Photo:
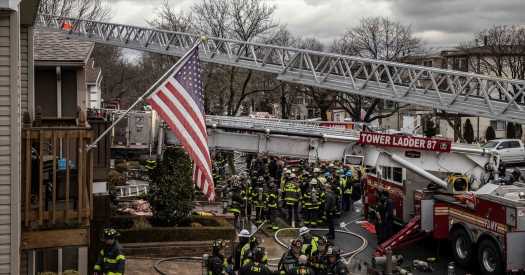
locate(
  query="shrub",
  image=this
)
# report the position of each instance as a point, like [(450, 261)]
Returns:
[(171, 188), (468, 131), (490, 134)]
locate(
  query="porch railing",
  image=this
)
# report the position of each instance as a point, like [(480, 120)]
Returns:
[(56, 176)]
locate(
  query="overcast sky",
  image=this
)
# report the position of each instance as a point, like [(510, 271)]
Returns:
[(438, 22)]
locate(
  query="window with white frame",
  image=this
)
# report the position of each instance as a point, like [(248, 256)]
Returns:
[(498, 125), (394, 174)]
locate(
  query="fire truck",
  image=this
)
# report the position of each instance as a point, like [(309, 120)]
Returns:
[(446, 191)]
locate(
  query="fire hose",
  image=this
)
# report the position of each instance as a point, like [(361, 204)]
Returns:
[(349, 254)]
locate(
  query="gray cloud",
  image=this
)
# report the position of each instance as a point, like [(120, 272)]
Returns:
[(438, 22), (457, 18)]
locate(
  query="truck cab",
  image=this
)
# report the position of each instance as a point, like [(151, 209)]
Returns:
[(511, 151)]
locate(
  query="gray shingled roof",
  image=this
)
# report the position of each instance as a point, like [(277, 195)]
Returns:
[(55, 46)]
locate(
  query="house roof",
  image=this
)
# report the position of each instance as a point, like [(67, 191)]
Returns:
[(55, 47)]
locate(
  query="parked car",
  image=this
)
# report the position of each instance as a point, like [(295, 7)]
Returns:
[(511, 151)]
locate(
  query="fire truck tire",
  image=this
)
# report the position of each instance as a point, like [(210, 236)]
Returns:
[(489, 258), (462, 247)]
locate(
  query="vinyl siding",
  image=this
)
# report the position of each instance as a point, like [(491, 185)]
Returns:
[(5, 137), (24, 67), (10, 78)]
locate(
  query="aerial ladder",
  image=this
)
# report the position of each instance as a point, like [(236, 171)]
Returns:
[(440, 89)]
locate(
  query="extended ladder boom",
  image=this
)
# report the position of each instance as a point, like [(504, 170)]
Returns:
[(447, 90)]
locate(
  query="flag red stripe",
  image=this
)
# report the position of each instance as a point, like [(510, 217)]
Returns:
[(191, 130), (179, 135), (187, 106)]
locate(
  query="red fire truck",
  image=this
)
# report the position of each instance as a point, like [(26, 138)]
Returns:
[(446, 191)]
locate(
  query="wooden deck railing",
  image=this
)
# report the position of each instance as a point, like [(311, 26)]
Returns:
[(56, 176)]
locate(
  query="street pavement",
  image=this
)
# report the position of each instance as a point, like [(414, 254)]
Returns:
[(422, 250)]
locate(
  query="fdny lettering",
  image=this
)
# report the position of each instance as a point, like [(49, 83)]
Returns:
[(492, 225), (410, 142)]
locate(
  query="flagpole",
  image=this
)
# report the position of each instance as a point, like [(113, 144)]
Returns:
[(173, 69)]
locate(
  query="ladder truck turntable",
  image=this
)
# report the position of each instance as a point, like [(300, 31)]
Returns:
[(485, 226)]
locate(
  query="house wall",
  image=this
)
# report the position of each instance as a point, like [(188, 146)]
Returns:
[(9, 142)]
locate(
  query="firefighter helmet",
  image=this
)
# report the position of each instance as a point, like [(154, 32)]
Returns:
[(217, 246), (110, 233), (304, 230), (244, 234), (303, 259), (297, 243), (333, 251)]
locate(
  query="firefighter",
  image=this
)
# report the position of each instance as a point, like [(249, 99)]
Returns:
[(388, 215), (303, 268), (338, 193), (318, 258), (335, 264), (330, 210), (307, 206), (248, 255), (246, 194), (272, 203), (320, 212), (110, 260), (242, 248), (236, 203), (259, 202), (292, 195), (310, 243), (290, 259), (257, 266), (384, 216), (357, 187), (345, 182), (315, 198), (217, 263)]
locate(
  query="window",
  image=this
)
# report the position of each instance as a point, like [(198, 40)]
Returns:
[(514, 144), (498, 125), (504, 145), (394, 174), (69, 260), (397, 174), (427, 63)]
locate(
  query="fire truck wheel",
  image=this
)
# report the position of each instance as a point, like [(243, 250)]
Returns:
[(462, 248), (489, 258)]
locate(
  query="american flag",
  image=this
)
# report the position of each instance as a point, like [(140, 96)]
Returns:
[(179, 100)]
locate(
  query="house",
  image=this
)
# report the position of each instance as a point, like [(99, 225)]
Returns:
[(56, 197), (61, 67)]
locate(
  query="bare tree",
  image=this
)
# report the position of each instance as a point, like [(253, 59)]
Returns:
[(86, 9), (380, 38), (246, 20), (322, 98), (168, 19), (283, 37), (498, 51), (376, 38)]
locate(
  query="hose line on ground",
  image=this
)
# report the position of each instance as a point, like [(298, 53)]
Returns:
[(350, 254), (172, 259)]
